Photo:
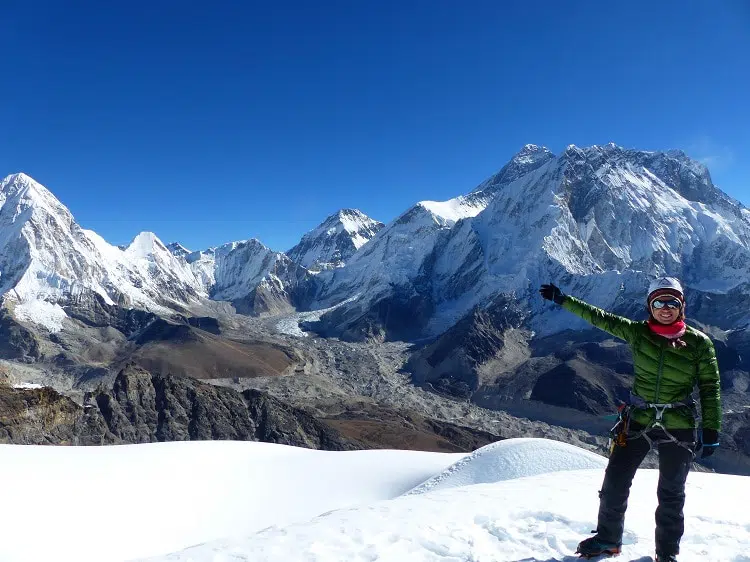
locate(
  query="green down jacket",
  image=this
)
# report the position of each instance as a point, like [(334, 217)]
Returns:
[(663, 374)]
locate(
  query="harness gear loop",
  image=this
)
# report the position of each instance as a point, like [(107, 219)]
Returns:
[(618, 435)]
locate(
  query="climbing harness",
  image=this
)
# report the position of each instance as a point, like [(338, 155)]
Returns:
[(619, 434)]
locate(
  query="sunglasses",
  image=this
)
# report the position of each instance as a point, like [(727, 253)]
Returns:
[(674, 303)]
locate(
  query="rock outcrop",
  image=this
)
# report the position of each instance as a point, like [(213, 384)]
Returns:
[(143, 408)]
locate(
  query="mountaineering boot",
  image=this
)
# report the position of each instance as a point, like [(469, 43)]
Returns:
[(665, 558), (594, 546)]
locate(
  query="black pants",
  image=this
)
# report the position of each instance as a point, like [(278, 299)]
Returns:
[(674, 465)]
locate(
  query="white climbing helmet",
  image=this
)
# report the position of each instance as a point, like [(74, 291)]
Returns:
[(665, 283)]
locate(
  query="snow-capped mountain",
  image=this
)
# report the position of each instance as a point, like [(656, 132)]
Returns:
[(253, 277), (528, 159), (395, 254), (600, 221), (334, 242), (203, 263), (46, 260), (388, 271)]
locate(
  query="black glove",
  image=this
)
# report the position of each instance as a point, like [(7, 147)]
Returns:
[(709, 442), (552, 293)]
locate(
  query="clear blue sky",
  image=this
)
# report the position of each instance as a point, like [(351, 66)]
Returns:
[(207, 122)]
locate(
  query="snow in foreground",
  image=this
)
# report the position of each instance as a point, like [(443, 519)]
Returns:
[(518, 500)]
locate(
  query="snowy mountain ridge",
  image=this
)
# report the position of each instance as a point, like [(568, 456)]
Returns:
[(599, 220), (178, 250), (47, 261)]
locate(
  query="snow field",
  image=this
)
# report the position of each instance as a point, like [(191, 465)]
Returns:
[(529, 500)]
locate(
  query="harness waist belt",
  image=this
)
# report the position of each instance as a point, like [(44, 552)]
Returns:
[(638, 402)]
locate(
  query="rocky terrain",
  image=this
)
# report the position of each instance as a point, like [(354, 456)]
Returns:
[(142, 408), (337, 394)]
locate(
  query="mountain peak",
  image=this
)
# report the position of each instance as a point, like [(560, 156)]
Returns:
[(526, 160), (25, 204), (15, 183), (351, 220), (532, 152), (146, 244), (343, 213), (27, 190), (335, 240), (17, 177), (178, 250)]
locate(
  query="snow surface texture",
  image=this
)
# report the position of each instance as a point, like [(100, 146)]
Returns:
[(527, 500), (505, 460)]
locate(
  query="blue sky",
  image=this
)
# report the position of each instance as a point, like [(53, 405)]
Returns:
[(207, 122)]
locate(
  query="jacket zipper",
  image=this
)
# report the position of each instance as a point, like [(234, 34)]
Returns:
[(659, 372)]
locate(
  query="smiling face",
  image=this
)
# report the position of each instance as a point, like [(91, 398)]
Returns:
[(666, 313)]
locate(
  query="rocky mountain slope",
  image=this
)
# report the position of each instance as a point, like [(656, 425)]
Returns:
[(142, 407)]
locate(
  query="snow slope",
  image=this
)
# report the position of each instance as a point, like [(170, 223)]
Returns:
[(116, 503), (262, 502)]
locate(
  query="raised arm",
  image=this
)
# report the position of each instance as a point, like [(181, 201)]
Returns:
[(616, 325)]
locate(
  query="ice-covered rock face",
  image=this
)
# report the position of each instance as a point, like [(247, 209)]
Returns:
[(599, 221), (240, 266), (335, 241), (655, 212)]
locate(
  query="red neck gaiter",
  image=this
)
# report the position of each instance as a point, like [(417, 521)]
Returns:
[(670, 331)]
